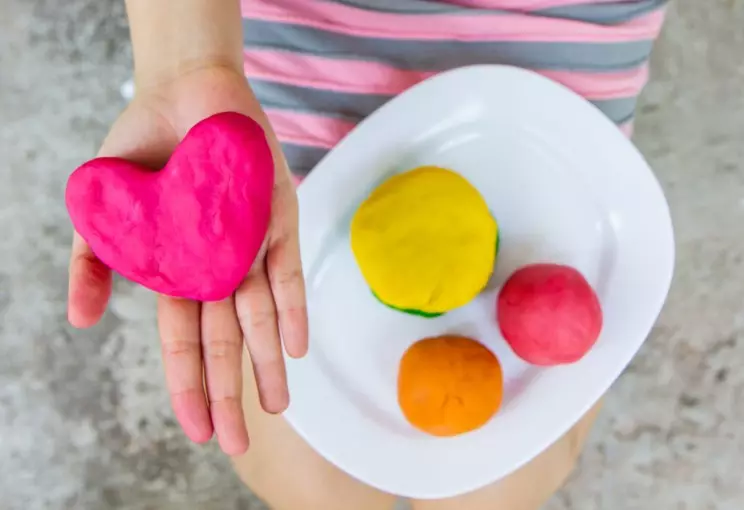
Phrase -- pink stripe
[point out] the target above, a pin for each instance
(598, 87)
(307, 128)
(364, 77)
(627, 129)
(353, 76)
(342, 19)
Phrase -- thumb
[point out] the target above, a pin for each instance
(141, 135)
(89, 287)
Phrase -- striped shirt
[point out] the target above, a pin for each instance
(320, 66)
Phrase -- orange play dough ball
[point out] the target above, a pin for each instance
(449, 385)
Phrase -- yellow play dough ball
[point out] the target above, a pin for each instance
(425, 240)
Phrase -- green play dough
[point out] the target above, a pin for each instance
(418, 313)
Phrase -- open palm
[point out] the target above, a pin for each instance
(202, 343)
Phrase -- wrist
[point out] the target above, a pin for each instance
(159, 78)
(174, 38)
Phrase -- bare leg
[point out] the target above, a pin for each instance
(530, 487)
(287, 473)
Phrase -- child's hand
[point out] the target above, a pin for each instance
(202, 342)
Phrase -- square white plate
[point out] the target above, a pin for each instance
(565, 185)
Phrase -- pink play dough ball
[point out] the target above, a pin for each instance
(549, 314)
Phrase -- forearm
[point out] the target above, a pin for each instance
(173, 37)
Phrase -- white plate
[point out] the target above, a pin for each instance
(565, 185)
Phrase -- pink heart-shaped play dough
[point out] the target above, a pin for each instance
(190, 230)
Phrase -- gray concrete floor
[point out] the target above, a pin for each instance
(84, 419)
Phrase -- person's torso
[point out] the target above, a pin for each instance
(320, 66)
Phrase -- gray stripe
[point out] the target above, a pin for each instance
(620, 110)
(302, 159)
(442, 55)
(405, 6)
(604, 14)
(355, 107)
